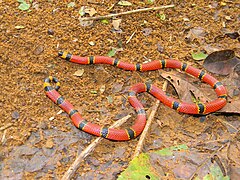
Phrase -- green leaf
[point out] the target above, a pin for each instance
(104, 21)
(112, 52)
(21, 1)
(199, 56)
(150, 1)
(93, 92)
(139, 168)
(19, 27)
(124, 3)
(207, 177)
(169, 151)
(110, 99)
(215, 173)
(82, 11)
(24, 6)
(161, 16)
(71, 4)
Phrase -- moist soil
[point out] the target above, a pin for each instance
(40, 141)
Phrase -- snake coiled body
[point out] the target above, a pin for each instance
(138, 126)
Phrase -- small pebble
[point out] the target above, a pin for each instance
(15, 115)
(60, 112)
(38, 50)
(50, 32)
(236, 92)
(91, 43)
(49, 144)
(51, 118)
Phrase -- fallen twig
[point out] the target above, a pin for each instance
(138, 149)
(94, 111)
(149, 122)
(73, 168)
(225, 123)
(6, 126)
(125, 13)
(3, 140)
(131, 37)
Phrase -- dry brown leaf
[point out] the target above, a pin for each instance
(79, 72)
(91, 11)
(221, 62)
(184, 88)
(116, 24)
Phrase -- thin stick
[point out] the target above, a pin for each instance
(226, 123)
(6, 126)
(125, 13)
(138, 149)
(131, 37)
(94, 111)
(3, 140)
(149, 122)
(73, 168)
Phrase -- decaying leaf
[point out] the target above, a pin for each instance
(85, 23)
(221, 62)
(117, 87)
(160, 48)
(233, 81)
(91, 11)
(209, 48)
(71, 4)
(186, 90)
(196, 33)
(147, 31)
(124, 3)
(79, 72)
(116, 24)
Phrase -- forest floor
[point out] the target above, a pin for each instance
(40, 142)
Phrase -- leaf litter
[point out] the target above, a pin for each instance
(190, 91)
(221, 62)
(180, 160)
(79, 73)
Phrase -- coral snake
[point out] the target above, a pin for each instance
(137, 128)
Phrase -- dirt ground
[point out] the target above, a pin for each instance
(34, 145)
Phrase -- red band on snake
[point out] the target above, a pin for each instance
(138, 126)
